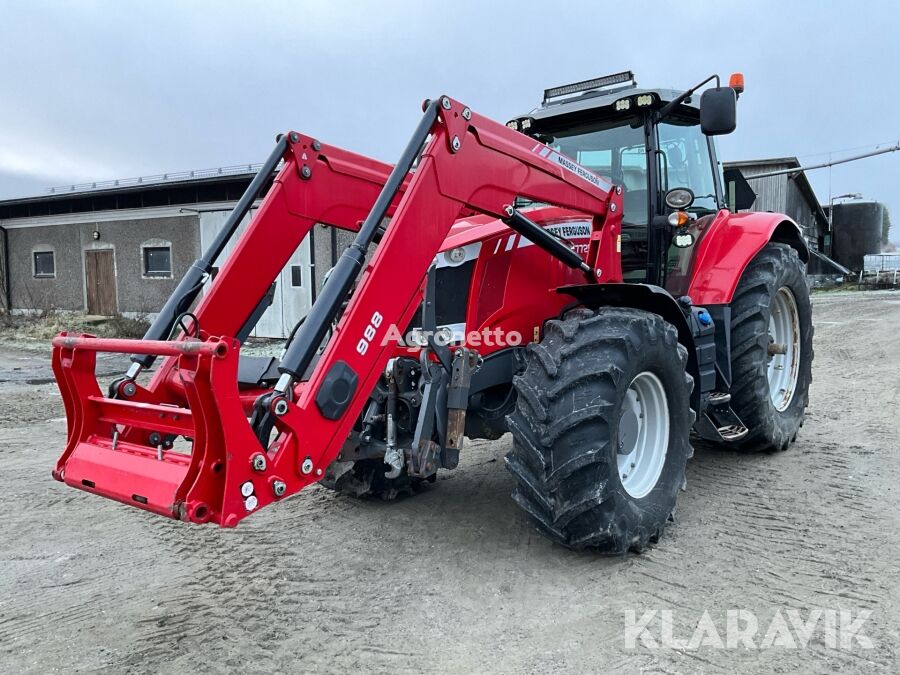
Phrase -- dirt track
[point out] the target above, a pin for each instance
(454, 579)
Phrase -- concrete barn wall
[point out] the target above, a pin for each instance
(135, 293)
(66, 290)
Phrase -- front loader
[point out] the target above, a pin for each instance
(566, 277)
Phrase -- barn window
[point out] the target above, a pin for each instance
(157, 261)
(296, 276)
(44, 264)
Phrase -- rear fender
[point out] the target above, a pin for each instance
(709, 271)
(650, 299)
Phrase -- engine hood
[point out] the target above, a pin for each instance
(480, 227)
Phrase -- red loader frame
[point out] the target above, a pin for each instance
(469, 164)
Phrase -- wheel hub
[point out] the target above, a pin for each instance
(643, 435)
(783, 351)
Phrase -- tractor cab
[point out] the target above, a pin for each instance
(658, 144)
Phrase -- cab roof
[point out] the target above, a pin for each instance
(597, 94)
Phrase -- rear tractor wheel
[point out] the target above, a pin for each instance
(771, 348)
(601, 429)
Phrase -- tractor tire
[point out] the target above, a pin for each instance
(578, 410)
(770, 406)
(366, 479)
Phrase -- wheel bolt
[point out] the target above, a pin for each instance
(258, 462)
(307, 466)
(279, 488)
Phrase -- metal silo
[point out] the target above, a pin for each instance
(857, 231)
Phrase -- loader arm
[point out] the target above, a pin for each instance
(467, 163)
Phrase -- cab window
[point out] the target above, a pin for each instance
(685, 162)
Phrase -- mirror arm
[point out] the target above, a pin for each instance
(674, 103)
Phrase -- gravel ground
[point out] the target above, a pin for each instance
(454, 580)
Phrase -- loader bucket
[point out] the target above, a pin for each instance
(122, 448)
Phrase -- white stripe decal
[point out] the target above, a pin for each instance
(573, 167)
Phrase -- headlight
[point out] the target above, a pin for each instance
(513, 124)
(679, 198)
(644, 100)
(623, 104)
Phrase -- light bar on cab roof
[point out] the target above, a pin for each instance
(587, 85)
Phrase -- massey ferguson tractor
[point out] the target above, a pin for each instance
(577, 277)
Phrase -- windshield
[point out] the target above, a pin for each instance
(685, 162)
(614, 150)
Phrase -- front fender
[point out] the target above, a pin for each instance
(709, 271)
(650, 299)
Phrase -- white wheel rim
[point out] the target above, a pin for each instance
(643, 435)
(784, 348)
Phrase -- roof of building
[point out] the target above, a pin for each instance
(186, 187)
(746, 167)
(768, 163)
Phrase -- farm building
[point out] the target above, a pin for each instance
(121, 247)
(790, 193)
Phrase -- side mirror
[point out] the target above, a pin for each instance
(718, 111)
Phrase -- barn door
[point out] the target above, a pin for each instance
(100, 279)
(296, 287)
(293, 290)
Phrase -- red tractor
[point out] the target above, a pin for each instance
(574, 277)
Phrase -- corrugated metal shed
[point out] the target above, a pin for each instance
(789, 193)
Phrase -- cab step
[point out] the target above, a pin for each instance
(732, 432)
(719, 398)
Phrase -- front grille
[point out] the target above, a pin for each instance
(451, 285)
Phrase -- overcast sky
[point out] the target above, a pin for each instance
(99, 90)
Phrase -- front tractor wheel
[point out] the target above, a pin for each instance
(601, 429)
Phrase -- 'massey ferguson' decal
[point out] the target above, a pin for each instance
(570, 230)
(566, 163)
(574, 232)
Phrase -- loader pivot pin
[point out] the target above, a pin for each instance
(259, 462)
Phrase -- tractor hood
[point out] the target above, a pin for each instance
(477, 228)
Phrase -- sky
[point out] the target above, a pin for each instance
(101, 90)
